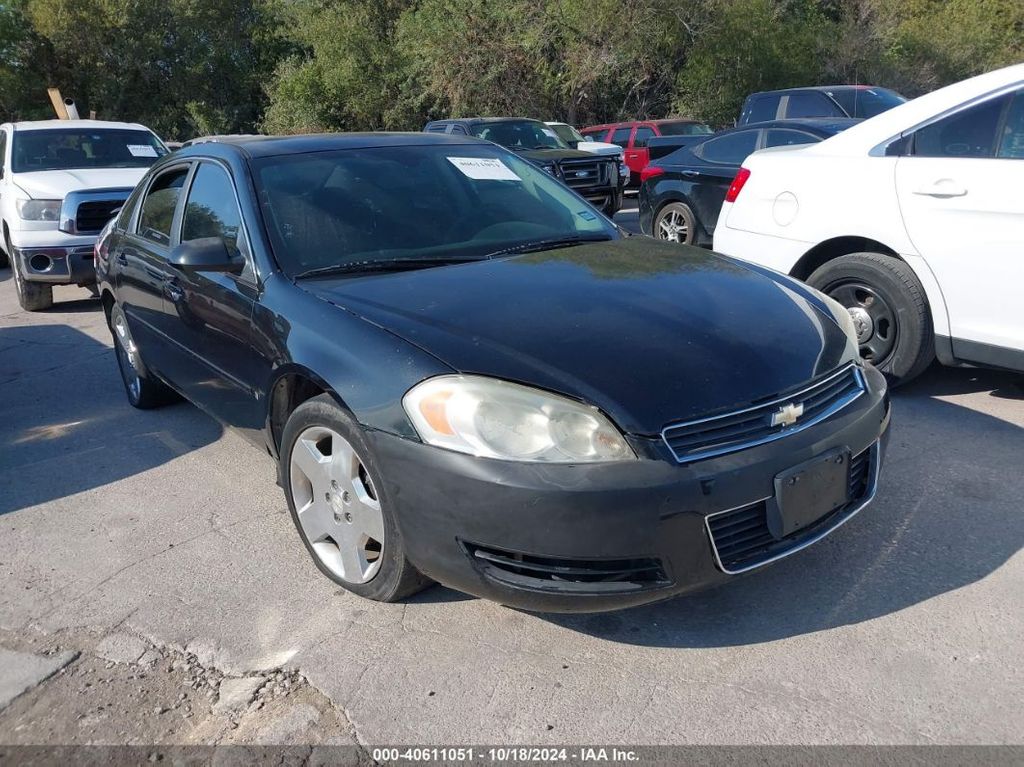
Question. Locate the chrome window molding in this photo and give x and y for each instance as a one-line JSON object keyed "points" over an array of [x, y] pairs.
{"points": [[841, 517], [793, 397]]}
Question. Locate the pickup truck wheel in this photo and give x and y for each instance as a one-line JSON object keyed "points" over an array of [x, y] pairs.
{"points": [[340, 505], [889, 310], [32, 296], [144, 391], [675, 223]]}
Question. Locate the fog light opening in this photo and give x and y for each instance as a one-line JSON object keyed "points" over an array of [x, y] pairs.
{"points": [[40, 262]]}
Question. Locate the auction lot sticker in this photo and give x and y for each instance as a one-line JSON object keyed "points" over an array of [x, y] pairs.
{"points": [[484, 168], [141, 150]]}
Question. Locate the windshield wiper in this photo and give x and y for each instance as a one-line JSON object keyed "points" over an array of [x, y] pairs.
{"points": [[556, 242], [391, 265]]}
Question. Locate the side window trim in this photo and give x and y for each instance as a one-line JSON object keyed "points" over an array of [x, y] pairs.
{"points": [[248, 274]]}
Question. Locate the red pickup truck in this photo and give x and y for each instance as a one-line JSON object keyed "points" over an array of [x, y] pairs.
{"points": [[632, 136]]}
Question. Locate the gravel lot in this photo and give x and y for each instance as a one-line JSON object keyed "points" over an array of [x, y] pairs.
{"points": [[903, 627]]}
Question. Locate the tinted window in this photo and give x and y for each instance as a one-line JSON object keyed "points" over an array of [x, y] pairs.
{"points": [[437, 128], [972, 132], [62, 149], [810, 104], [763, 108], [866, 102], [684, 129], [567, 133], [731, 149], [211, 210], [642, 134], [620, 136], [412, 202], [3, 148], [1012, 142], [519, 134], [158, 207], [785, 137]]}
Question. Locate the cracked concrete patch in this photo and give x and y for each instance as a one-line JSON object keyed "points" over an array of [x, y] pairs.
{"points": [[121, 648], [235, 694]]}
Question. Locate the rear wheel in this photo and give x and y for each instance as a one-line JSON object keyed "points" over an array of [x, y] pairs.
{"points": [[675, 223], [143, 390], [889, 309], [339, 505]]}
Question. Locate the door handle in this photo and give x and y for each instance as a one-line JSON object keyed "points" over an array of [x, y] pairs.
{"points": [[691, 173], [173, 292], [943, 188]]}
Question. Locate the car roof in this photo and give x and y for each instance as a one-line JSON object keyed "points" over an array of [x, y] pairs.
{"points": [[819, 88], [81, 124], [271, 146], [630, 123], [829, 124], [477, 120]]}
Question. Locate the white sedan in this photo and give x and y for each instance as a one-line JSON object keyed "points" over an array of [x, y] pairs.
{"points": [[913, 220]]}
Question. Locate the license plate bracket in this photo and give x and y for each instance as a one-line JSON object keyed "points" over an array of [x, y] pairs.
{"points": [[809, 491]]}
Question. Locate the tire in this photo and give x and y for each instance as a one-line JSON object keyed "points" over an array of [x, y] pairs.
{"points": [[33, 296], [889, 308], [675, 222], [339, 504], [614, 204], [144, 391]]}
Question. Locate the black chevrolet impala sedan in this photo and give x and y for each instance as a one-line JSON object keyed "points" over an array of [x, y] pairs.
{"points": [[466, 374]]}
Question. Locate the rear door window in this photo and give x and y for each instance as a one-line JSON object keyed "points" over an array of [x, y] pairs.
{"points": [[811, 104], [157, 215], [972, 132], [1011, 144], [731, 149]]}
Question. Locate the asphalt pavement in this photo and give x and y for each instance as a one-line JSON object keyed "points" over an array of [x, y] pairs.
{"points": [[904, 626]]}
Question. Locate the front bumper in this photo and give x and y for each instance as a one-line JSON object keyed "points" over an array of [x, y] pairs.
{"points": [[584, 538], [60, 265]]}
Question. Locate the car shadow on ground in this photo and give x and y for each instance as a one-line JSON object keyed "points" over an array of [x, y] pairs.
{"points": [[948, 514], [66, 425]]}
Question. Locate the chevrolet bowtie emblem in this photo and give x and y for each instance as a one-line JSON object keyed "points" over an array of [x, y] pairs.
{"points": [[787, 415]]}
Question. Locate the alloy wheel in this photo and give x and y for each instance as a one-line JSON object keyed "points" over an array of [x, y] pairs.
{"points": [[673, 227], [127, 355], [873, 319], [336, 504]]}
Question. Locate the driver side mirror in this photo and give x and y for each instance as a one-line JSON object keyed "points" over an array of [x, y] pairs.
{"points": [[207, 254]]}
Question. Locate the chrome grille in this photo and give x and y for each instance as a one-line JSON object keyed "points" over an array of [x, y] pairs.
{"points": [[584, 173], [727, 433], [740, 537]]}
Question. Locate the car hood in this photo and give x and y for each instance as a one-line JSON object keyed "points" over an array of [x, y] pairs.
{"points": [[649, 332], [554, 155], [600, 148], [55, 184]]}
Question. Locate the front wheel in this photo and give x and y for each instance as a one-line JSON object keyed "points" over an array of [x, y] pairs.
{"points": [[339, 505], [675, 223], [889, 309], [33, 296]]}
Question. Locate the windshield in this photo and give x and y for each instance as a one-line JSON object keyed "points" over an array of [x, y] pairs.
{"points": [[520, 135], [422, 204], [73, 148], [684, 129], [567, 133], [866, 102]]}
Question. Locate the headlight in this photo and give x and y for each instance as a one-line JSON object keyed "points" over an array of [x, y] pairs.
{"points": [[496, 419], [39, 210], [842, 316]]}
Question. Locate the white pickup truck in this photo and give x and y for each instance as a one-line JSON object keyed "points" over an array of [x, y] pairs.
{"points": [[60, 182]]}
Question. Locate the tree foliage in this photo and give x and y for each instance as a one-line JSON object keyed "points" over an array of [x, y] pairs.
{"points": [[187, 67]]}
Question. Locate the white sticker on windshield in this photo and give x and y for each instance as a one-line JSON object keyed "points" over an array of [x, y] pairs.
{"points": [[142, 150], [485, 168]]}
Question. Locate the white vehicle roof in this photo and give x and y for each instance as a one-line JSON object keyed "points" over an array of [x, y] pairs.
{"points": [[65, 124], [868, 134]]}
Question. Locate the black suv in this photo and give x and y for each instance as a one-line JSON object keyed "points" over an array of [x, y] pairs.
{"points": [[860, 101], [591, 176]]}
